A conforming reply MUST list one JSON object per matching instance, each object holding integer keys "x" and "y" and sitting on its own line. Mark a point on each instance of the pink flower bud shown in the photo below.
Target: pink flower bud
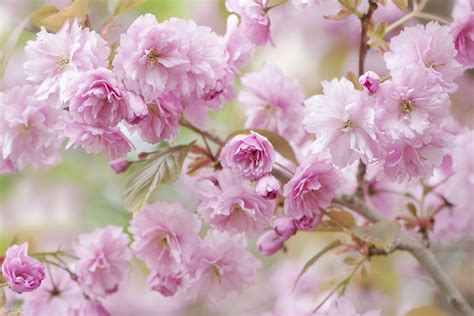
{"x": 269, "y": 243}
{"x": 22, "y": 273}
{"x": 370, "y": 81}
{"x": 268, "y": 187}
{"x": 307, "y": 222}
{"x": 285, "y": 227}
{"x": 119, "y": 165}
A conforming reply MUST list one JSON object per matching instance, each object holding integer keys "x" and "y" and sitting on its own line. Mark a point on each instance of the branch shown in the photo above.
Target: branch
{"x": 210, "y": 136}
{"x": 365, "y": 22}
{"x": 424, "y": 256}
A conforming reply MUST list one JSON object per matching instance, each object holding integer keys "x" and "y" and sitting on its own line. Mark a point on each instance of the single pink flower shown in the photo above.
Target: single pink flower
{"x": 343, "y": 120}
{"x": 370, "y": 81}
{"x": 103, "y": 260}
{"x": 312, "y": 187}
{"x": 52, "y": 55}
{"x": 251, "y": 156}
{"x": 96, "y": 98}
{"x": 166, "y": 284}
{"x": 22, "y": 272}
{"x": 230, "y": 203}
{"x": 273, "y": 101}
{"x": 268, "y": 186}
{"x": 165, "y": 236}
{"x": 221, "y": 267}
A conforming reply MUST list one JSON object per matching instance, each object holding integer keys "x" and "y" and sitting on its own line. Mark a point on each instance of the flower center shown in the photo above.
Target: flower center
{"x": 407, "y": 106}
{"x": 152, "y": 108}
{"x": 63, "y": 62}
{"x": 152, "y": 58}
{"x": 217, "y": 273}
{"x": 347, "y": 124}
{"x": 163, "y": 241}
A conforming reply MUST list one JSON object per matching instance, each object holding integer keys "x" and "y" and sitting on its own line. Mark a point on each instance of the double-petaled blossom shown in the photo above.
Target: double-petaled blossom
{"x": 221, "y": 266}
{"x": 462, "y": 31}
{"x": 410, "y": 104}
{"x": 165, "y": 236}
{"x": 429, "y": 46}
{"x": 52, "y": 56}
{"x": 103, "y": 260}
{"x": 312, "y": 187}
{"x": 238, "y": 47}
{"x": 28, "y": 133}
{"x": 273, "y": 101}
{"x": 231, "y": 204}
{"x": 268, "y": 186}
{"x": 95, "y": 97}
{"x": 251, "y": 156}
{"x": 22, "y": 272}
{"x": 343, "y": 120}
{"x": 254, "y": 20}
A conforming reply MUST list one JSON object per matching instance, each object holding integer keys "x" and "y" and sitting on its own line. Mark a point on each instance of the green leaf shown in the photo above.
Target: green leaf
{"x": 40, "y": 14}
{"x": 329, "y": 247}
{"x": 78, "y": 9}
{"x": 160, "y": 168}
{"x": 401, "y": 4}
{"x": 342, "y": 217}
{"x": 279, "y": 143}
{"x": 9, "y": 46}
{"x": 427, "y": 310}
{"x": 117, "y": 7}
{"x": 382, "y": 234}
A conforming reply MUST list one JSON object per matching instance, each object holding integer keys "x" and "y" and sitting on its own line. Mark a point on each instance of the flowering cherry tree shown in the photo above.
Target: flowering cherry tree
{"x": 339, "y": 161}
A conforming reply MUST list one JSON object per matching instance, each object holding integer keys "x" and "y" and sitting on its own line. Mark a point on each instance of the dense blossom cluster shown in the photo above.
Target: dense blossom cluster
{"x": 162, "y": 74}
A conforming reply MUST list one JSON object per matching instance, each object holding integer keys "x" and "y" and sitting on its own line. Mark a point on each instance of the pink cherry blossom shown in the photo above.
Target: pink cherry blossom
{"x": 462, "y": 31}
{"x": 370, "y": 81}
{"x": 95, "y": 97}
{"x": 238, "y": 47}
{"x": 95, "y": 139}
{"x": 254, "y": 20}
{"x": 273, "y": 102}
{"x": 150, "y": 58}
{"x": 270, "y": 243}
{"x": 22, "y": 272}
{"x": 165, "y": 236}
{"x": 312, "y": 187}
{"x": 410, "y": 104}
{"x": 250, "y": 156}
{"x": 430, "y": 46}
{"x": 103, "y": 260}
{"x": 59, "y": 295}
{"x": 28, "y": 134}
{"x": 166, "y": 284}
{"x": 268, "y": 186}
{"x": 343, "y": 120}
{"x": 51, "y": 55}
{"x": 231, "y": 204}
{"x": 221, "y": 267}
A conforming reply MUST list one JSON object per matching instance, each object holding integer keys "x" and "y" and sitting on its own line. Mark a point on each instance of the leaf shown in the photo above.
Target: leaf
{"x": 117, "y": 7}
{"x": 279, "y": 143}
{"x": 427, "y": 310}
{"x": 41, "y": 13}
{"x": 160, "y": 168}
{"x": 382, "y": 234}
{"x": 9, "y": 46}
{"x": 78, "y": 9}
{"x": 401, "y": 4}
{"x": 411, "y": 208}
{"x": 310, "y": 262}
{"x": 328, "y": 226}
{"x": 342, "y": 217}
{"x": 341, "y": 15}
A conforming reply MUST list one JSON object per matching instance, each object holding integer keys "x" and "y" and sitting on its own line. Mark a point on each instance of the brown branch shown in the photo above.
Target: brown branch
{"x": 365, "y": 22}
{"x": 214, "y": 138}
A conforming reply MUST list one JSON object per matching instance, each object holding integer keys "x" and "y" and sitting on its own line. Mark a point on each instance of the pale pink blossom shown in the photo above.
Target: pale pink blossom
{"x": 238, "y": 47}
{"x": 230, "y": 203}
{"x": 270, "y": 243}
{"x": 312, "y": 187}
{"x": 254, "y": 19}
{"x": 430, "y": 46}
{"x": 268, "y": 186}
{"x": 150, "y": 58}
{"x": 370, "y": 81}
{"x": 462, "y": 31}
{"x": 22, "y": 272}
{"x": 52, "y": 55}
{"x": 251, "y": 156}
{"x": 221, "y": 267}
{"x": 166, "y": 284}
{"x": 165, "y": 236}
{"x": 96, "y": 98}
{"x": 273, "y": 101}
{"x": 109, "y": 141}
{"x": 410, "y": 104}
{"x": 59, "y": 295}
{"x": 28, "y": 134}
{"x": 343, "y": 120}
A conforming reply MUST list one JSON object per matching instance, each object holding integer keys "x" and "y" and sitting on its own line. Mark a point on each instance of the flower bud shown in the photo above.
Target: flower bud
{"x": 269, "y": 243}
{"x": 268, "y": 187}
{"x": 119, "y": 165}
{"x": 285, "y": 227}
{"x": 370, "y": 81}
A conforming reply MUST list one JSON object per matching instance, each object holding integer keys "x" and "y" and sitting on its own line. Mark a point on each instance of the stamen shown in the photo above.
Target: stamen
{"x": 348, "y": 124}
{"x": 152, "y": 58}
{"x": 407, "y": 106}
